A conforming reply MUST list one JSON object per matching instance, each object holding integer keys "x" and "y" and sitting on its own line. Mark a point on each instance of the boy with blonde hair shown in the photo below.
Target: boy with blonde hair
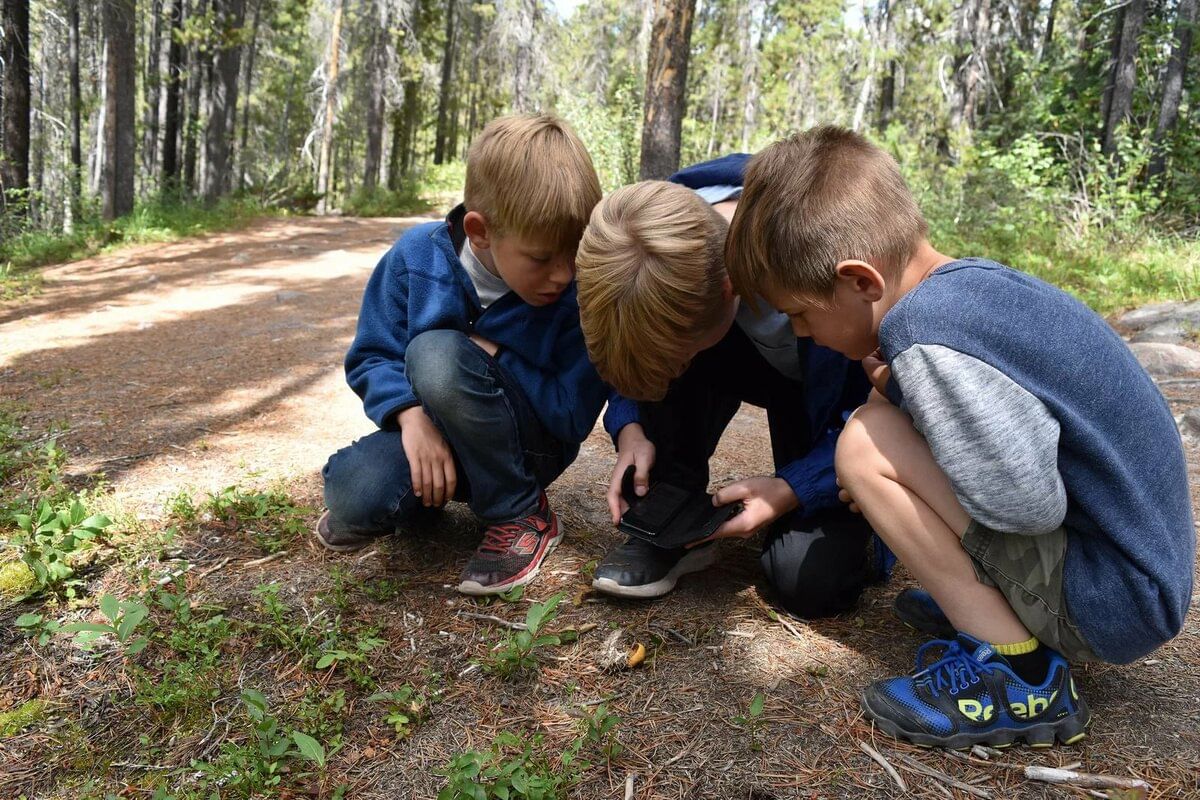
{"x": 1015, "y": 455}
{"x": 470, "y": 359}
{"x": 664, "y": 328}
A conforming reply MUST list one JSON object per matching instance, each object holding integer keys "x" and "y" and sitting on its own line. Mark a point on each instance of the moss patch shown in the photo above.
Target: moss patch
{"x": 16, "y": 579}
{"x": 21, "y": 717}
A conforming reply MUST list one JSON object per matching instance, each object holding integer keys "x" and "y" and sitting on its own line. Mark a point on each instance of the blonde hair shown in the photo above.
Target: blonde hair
{"x": 812, "y": 201}
{"x": 650, "y": 272}
{"x": 530, "y": 175}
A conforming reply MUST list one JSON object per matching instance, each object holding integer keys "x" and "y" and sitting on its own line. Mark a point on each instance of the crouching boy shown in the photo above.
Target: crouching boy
{"x": 1015, "y": 456}
{"x": 469, "y": 358}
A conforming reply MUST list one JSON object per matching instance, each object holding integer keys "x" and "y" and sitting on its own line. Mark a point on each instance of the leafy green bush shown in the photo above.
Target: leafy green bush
{"x": 48, "y": 539}
{"x": 382, "y": 202}
{"x": 517, "y": 652}
{"x": 513, "y": 767}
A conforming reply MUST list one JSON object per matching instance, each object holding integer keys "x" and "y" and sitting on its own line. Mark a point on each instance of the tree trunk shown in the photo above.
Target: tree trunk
{"x": 1048, "y": 33}
{"x": 15, "y": 90}
{"x": 439, "y": 143}
{"x": 375, "y": 108}
{"x": 175, "y": 66}
{"x": 412, "y": 102}
{"x": 526, "y": 24}
{"x": 248, "y": 81}
{"x": 666, "y": 84}
{"x": 325, "y": 164}
{"x": 151, "y": 89}
{"x": 887, "y": 85}
{"x": 197, "y": 67}
{"x": 1124, "y": 73}
{"x": 750, "y": 77}
{"x": 76, "y": 177}
{"x": 120, "y": 19}
{"x": 222, "y": 99}
{"x": 1172, "y": 93}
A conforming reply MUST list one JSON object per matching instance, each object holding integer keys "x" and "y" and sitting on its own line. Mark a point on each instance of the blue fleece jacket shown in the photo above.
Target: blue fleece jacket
{"x": 420, "y": 285}
{"x": 1131, "y": 544}
{"x": 834, "y": 386}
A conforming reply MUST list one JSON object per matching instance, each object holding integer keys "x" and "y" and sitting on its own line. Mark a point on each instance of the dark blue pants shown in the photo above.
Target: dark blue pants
{"x": 817, "y": 564}
{"x": 503, "y": 454}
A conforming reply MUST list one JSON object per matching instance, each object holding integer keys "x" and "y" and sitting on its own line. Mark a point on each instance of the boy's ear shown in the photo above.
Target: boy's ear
{"x": 862, "y": 278}
{"x": 475, "y": 225}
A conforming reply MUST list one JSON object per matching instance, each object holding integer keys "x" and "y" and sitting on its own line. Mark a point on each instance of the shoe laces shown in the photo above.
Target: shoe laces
{"x": 955, "y": 671}
{"x": 497, "y": 539}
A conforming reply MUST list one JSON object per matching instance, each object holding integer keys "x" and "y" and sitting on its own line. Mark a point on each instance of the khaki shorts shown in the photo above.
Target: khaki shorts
{"x": 1028, "y": 571}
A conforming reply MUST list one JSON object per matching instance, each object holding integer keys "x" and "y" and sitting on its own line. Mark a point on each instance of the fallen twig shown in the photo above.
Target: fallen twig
{"x": 930, "y": 772}
{"x": 629, "y": 785}
{"x": 1086, "y": 780}
{"x": 516, "y": 626}
{"x": 258, "y": 562}
{"x": 878, "y": 758}
{"x": 220, "y": 565}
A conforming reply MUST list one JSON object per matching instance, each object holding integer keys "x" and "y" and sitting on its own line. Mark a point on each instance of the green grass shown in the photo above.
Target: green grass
{"x": 152, "y": 221}
{"x": 437, "y": 187}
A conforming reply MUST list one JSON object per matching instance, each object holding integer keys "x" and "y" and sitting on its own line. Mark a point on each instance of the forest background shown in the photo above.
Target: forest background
{"x": 1056, "y": 135}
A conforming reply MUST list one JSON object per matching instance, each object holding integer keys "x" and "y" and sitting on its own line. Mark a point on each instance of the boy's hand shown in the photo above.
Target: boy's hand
{"x": 878, "y": 372}
{"x": 764, "y": 500}
{"x": 430, "y": 461}
{"x": 632, "y": 448}
{"x": 845, "y": 497}
{"x": 486, "y": 345}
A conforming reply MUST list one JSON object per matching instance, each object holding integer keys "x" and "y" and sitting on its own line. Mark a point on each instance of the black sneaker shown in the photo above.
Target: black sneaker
{"x": 917, "y": 609}
{"x": 512, "y": 552}
{"x": 343, "y": 541}
{"x": 639, "y": 569}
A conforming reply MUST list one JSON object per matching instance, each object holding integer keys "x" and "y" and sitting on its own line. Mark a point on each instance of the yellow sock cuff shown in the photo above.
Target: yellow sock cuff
{"x": 1017, "y": 648}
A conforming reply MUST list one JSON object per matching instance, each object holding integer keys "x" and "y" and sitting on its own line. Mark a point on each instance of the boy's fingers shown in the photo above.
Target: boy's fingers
{"x": 641, "y": 475}
{"x": 731, "y": 493}
{"x": 437, "y": 479}
{"x": 451, "y": 480}
{"x": 426, "y": 482}
{"x": 614, "y": 494}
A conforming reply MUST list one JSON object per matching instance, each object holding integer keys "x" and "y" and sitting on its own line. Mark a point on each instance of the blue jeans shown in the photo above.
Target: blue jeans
{"x": 503, "y": 454}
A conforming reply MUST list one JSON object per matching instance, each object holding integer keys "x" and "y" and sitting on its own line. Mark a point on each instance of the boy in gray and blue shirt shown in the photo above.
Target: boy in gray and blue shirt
{"x": 1015, "y": 456}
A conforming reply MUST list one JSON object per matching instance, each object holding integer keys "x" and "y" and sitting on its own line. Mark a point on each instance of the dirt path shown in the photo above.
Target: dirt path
{"x": 217, "y": 361}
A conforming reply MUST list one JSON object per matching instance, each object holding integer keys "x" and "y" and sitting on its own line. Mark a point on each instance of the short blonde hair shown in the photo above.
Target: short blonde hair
{"x": 530, "y": 175}
{"x": 651, "y": 272}
{"x": 812, "y": 201}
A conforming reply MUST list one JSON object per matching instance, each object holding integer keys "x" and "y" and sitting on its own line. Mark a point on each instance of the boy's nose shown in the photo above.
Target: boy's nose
{"x": 563, "y": 271}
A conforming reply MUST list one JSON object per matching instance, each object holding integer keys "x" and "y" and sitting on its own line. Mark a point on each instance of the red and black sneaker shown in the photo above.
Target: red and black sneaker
{"x": 512, "y": 552}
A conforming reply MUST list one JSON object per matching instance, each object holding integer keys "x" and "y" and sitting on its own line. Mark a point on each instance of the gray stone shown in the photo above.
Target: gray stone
{"x": 288, "y": 296}
{"x": 1189, "y": 424}
{"x": 1166, "y": 360}
{"x": 1172, "y": 322}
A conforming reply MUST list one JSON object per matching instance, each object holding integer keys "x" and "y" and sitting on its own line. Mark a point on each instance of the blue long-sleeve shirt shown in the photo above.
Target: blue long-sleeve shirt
{"x": 420, "y": 285}
{"x": 833, "y": 385}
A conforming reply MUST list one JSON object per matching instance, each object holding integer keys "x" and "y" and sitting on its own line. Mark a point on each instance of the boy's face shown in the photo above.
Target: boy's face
{"x": 848, "y": 322}
{"x": 538, "y": 272}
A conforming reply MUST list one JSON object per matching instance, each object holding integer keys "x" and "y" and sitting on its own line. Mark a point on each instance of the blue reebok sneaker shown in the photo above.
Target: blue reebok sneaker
{"x": 917, "y": 609}
{"x": 970, "y": 696}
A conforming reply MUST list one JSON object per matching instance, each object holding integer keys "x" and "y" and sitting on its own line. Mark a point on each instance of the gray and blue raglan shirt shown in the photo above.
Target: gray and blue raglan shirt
{"x": 1040, "y": 416}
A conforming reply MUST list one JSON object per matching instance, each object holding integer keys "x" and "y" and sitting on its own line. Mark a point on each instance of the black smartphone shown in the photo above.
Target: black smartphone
{"x": 670, "y": 516}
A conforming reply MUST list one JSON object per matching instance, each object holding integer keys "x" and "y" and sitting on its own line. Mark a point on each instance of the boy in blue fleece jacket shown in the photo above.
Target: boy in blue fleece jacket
{"x": 1015, "y": 455}
{"x": 470, "y": 359}
{"x": 665, "y": 329}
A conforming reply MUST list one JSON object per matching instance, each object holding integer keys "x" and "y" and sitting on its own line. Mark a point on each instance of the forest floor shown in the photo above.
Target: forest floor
{"x": 181, "y": 370}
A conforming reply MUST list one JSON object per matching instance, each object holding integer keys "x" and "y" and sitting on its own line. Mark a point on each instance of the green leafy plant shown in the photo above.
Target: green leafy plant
{"x": 270, "y": 517}
{"x": 600, "y": 731}
{"x": 513, "y": 767}
{"x": 40, "y": 629}
{"x": 406, "y": 709}
{"x": 752, "y": 720}
{"x": 48, "y": 538}
{"x": 517, "y": 651}
{"x": 124, "y": 618}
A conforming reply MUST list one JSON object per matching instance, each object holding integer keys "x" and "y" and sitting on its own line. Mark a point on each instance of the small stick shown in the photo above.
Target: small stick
{"x": 930, "y": 772}
{"x": 629, "y": 785}
{"x": 258, "y": 562}
{"x": 1086, "y": 780}
{"x": 516, "y": 626}
{"x": 878, "y": 758}
{"x": 220, "y": 565}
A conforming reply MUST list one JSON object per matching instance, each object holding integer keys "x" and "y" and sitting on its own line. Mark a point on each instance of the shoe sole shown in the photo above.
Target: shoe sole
{"x": 476, "y": 589}
{"x": 692, "y": 562}
{"x": 336, "y": 548}
{"x": 1068, "y": 730}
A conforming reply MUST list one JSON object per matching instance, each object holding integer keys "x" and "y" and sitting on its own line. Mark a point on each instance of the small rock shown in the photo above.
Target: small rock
{"x": 242, "y": 258}
{"x": 1164, "y": 360}
{"x": 288, "y": 296}
{"x": 1189, "y": 424}
{"x": 1171, "y": 322}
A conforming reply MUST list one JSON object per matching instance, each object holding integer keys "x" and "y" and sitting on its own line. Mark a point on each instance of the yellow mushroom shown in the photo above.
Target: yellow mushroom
{"x": 636, "y": 656}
